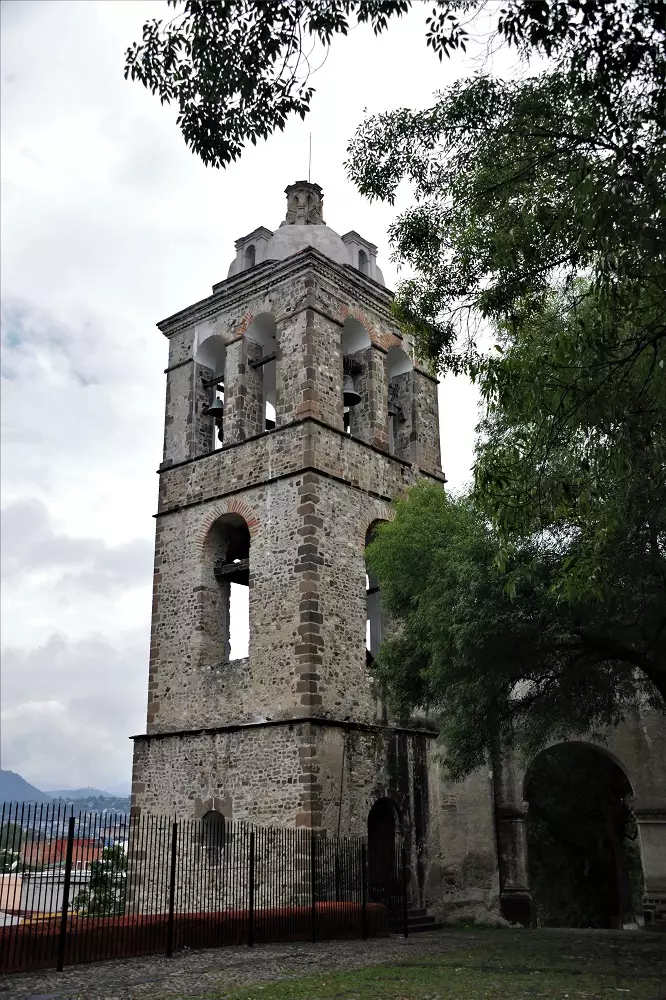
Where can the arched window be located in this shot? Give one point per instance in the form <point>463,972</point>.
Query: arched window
<point>213,836</point>
<point>355,344</point>
<point>262,333</point>
<point>363,262</point>
<point>224,591</point>
<point>210,355</point>
<point>249,257</point>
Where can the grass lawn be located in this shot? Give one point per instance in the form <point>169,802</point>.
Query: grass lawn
<point>500,965</point>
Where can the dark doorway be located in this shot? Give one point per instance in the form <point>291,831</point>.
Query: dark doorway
<point>383,829</point>
<point>583,855</point>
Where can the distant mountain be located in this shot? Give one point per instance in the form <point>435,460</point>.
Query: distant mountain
<point>14,788</point>
<point>78,793</point>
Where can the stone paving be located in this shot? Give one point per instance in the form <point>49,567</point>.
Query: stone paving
<point>201,973</point>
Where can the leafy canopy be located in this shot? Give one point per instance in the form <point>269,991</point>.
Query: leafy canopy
<point>104,896</point>
<point>237,69</point>
<point>507,672</point>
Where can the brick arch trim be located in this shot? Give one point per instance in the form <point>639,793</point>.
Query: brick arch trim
<point>378,335</point>
<point>383,513</point>
<point>232,506</point>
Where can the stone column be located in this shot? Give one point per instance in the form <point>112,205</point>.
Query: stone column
<point>369,419</point>
<point>243,392</point>
<point>652,837</point>
<point>428,454</point>
<point>309,376</point>
<point>203,427</point>
<point>401,403</point>
<point>516,900</point>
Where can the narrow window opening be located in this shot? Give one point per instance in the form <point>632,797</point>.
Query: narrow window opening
<point>225,621</point>
<point>250,255</point>
<point>363,262</point>
<point>263,335</point>
<point>210,356</point>
<point>218,401</point>
<point>239,621</point>
<point>373,627</point>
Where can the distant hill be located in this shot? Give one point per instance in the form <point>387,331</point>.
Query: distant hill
<point>14,788</point>
<point>78,793</point>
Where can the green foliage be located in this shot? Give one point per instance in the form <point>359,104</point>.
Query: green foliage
<point>105,894</point>
<point>491,649</point>
<point>541,215</point>
<point>238,69</point>
<point>11,836</point>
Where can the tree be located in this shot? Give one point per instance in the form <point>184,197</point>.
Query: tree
<point>105,894</point>
<point>503,670</point>
<point>522,189</point>
<point>533,608</point>
<point>540,217</point>
<point>11,836</point>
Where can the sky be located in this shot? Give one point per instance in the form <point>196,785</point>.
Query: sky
<point>109,224</point>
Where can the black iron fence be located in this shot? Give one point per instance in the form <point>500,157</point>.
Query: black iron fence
<point>89,887</point>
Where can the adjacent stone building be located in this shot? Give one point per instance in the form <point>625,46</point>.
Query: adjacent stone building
<point>296,412</point>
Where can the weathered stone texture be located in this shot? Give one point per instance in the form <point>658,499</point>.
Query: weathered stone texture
<point>297,733</point>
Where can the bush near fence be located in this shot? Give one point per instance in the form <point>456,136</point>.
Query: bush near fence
<point>35,945</point>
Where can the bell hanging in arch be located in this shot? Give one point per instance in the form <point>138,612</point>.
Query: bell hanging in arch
<point>216,409</point>
<point>350,397</point>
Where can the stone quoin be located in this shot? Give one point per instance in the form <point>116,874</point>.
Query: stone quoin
<point>270,483</point>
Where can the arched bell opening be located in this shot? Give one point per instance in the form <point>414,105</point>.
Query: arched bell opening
<point>355,345</point>
<point>263,360</point>
<point>583,855</point>
<point>210,360</point>
<point>224,591</point>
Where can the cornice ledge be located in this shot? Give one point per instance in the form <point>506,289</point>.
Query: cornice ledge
<point>237,289</point>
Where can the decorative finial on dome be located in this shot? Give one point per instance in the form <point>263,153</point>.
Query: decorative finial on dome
<point>305,205</point>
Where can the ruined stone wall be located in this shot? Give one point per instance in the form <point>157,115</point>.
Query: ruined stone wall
<point>462,876</point>
<point>638,746</point>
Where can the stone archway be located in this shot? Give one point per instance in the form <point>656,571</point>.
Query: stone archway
<point>583,860</point>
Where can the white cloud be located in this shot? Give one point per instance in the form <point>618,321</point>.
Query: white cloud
<point>108,225</point>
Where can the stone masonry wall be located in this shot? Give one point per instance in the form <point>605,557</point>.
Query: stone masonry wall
<point>307,608</point>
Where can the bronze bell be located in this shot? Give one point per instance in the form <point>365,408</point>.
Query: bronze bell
<point>216,409</point>
<point>350,397</point>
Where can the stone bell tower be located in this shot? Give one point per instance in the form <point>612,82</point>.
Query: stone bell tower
<point>295,412</point>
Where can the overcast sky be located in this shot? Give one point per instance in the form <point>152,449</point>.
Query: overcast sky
<point>110,224</point>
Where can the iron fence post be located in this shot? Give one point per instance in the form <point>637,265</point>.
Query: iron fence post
<point>250,908</point>
<point>337,870</point>
<point>62,941</point>
<point>364,891</point>
<point>172,889</point>
<point>313,895</point>
<point>403,862</point>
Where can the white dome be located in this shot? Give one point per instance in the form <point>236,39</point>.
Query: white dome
<point>288,240</point>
